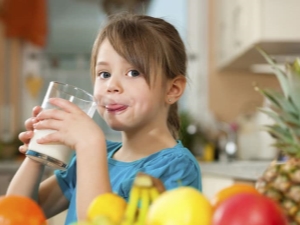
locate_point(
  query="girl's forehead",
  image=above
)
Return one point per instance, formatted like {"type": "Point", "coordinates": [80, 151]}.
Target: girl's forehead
{"type": "Point", "coordinates": [106, 53]}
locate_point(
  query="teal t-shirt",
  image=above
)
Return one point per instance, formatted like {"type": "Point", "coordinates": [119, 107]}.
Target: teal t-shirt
{"type": "Point", "coordinates": [173, 166]}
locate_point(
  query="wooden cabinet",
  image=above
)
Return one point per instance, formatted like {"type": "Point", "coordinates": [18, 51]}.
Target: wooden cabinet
{"type": "Point", "coordinates": [242, 24]}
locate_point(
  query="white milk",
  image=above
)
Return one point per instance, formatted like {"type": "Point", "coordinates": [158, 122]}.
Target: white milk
{"type": "Point", "coordinates": [57, 151]}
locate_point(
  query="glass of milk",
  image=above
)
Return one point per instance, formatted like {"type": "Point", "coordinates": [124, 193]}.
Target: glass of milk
{"type": "Point", "coordinates": [57, 155]}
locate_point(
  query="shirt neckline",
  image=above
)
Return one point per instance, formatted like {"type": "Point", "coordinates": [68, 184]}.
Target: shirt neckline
{"type": "Point", "coordinates": [114, 161]}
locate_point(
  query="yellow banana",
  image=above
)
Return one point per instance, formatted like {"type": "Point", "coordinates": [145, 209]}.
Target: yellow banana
{"type": "Point", "coordinates": [142, 194]}
{"type": "Point", "coordinates": [145, 201]}
{"type": "Point", "coordinates": [132, 206]}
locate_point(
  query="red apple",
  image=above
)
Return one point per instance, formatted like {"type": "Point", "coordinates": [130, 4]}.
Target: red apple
{"type": "Point", "coordinates": [249, 209]}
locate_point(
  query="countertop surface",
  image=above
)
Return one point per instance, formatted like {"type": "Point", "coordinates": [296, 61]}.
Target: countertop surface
{"type": "Point", "coordinates": [243, 170]}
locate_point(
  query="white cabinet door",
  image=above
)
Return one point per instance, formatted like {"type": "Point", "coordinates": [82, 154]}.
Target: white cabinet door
{"type": "Point", "coordinates": [212, 184]}
{"type": "Point", "coordinates": [243, 24]}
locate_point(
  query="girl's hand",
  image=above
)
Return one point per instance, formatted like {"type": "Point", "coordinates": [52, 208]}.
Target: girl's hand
{"type": "Point", "coordinates": [28, 134]}
{"type": "Point", "coordinates": [74, 127]}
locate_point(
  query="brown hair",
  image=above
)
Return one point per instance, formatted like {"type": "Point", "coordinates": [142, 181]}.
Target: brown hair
{"type": "Point", "coordinates": [152, 45]}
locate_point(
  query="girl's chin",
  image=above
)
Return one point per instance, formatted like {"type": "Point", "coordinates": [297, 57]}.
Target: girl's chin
{"type": "Point", "coordinates": [116, 127]}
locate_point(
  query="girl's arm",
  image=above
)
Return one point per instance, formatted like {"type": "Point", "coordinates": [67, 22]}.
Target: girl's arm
{"type": "Point", "coordinates": [92, 175]}
{"type": "Point", "coordinates": [77, 130]}
{"type": "Point", "coordinates": [27, 182]}
{"type": "Point", "coordinates": [27, 179]}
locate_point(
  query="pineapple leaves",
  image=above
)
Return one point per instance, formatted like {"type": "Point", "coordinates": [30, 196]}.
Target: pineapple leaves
{"type": "Point", "coordinates": [280, 102]}
{"type": "Point", "coordinates": [278, 132]}
{"type": "Point", "coordinates": [285, 108]}
{"type": "Point", "coordinates": [274, 116]}
{"type": "Point", "coordinates": [282, 120]}
{"type": "Point", "coordinates": [278, 72]}
{"type": "Point", "coordinates": [294, 85]}
{"type": "Point", "coordinates": [284, 135]}
{"type": "Point", "coordinates": [289, 149]}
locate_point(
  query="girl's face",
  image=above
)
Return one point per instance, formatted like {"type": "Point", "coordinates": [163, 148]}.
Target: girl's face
{"type": "Point", "coordinates": [125, 100]}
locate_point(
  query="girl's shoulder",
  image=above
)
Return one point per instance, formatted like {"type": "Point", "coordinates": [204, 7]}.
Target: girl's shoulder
{"type": "Point", "coordinates": [177, 154]}
{"type": "Point", "coordinates": [112, 146]}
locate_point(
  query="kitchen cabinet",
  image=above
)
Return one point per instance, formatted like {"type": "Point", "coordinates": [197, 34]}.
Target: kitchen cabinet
{"type": "Point", "coordinates": [242, 24]}
{"type": "Point", "coordinates": [212, 184]}
{"type": "Point", "coordinates": [219, 175]}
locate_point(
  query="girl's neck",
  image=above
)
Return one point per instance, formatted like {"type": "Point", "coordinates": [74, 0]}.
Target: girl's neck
{"type": "Point", "coordinates": [137, 145]}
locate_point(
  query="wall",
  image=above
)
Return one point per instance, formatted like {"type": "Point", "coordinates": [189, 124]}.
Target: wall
{"type": "Point", "coordinates": [231, 93]}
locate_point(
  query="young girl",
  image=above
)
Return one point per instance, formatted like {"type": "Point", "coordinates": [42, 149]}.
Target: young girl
{"type": "Point", "coordinates": [138, 66]}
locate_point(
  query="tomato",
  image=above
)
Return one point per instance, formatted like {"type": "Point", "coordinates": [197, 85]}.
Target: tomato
{"type": "Point", "coordinates": [232, 190]}
{"type": "Point", "coordinates": [19, 210]}
{"type": "Point", "coordinates": [249, 209]}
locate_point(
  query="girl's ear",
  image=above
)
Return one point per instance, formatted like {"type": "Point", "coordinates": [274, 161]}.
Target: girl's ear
{"type": "Point", "coordinates": [175, 89]}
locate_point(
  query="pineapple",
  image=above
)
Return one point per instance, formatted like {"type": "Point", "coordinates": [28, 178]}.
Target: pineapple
{"type": "Point", "coordinates": [281, 181]}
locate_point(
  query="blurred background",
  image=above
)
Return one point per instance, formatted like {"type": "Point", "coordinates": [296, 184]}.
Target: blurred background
{"type": "Point", "coordinates": [42, 41]}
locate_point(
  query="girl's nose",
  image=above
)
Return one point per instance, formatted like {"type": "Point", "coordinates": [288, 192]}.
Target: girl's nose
{"type": "Point", "coordinates": [114, 85]}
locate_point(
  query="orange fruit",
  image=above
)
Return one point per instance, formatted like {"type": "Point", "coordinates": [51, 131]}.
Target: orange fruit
{"type": "Point", "coordinates": [110, 205]}
{"type": "Point", "coordinates": [181, 206]}
{"type": "Point", "coordinates": [232, 190]}
{"type": "Point", "coordinates": [20, 210]}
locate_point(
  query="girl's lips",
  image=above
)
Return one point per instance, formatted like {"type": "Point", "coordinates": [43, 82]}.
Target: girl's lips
{"type": "Point", "coordinates": [115, 108]}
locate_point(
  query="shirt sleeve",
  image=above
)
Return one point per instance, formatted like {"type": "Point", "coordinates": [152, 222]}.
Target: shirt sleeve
{"type": "Point", "coordinates": [176, 170]}
{"type": "Point", "coordinates": [67, 179]}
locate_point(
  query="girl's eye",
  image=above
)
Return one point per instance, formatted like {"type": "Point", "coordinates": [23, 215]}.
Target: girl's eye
{"type": "Point", "coordinates": [104, 74]}
{"type": "Point", "coordinates": [133, 73]}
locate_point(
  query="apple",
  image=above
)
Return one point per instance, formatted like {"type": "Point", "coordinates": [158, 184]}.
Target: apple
{"type": "Point", "coordinates": [249, 209]}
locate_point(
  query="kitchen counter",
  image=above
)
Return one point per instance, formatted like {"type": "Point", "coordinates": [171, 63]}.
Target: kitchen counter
{"type": "Point", "coordinates": [245, 170]}
{"type": "Point", "coordinates": [238, 170]}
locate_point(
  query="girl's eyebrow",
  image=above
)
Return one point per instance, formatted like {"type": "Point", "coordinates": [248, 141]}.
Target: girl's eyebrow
{"type": "Point", "coordinates": [101, 63]}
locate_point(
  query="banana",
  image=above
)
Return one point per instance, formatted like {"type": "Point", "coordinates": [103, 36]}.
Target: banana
{"type": "Point", "coordinates": [143, 180]}
{"type": "Point", "coordinates": [145, 189]}
{"type": "Point", "coordinates": [132, 206]}
{"type": "Point", "coordinates": [145, 202]}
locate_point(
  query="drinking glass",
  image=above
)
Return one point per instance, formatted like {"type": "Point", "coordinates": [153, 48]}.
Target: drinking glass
{"type": "Point", "coordinates": [57, 155]}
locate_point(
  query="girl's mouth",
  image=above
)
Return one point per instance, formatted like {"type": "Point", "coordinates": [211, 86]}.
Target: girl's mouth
{"type": "Point", "coordinates": [115, 108]}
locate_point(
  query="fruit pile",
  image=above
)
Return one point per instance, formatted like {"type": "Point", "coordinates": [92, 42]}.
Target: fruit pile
{"type": "Point", "coordinates": [19, 210]}
{"type": "Point", "coordinates": [151, 204]}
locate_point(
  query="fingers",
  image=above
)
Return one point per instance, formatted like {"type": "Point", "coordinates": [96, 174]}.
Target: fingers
{"type": "Point", "coordinates": [64, 104]}
{"type": "Point", "coordinates": [23, 149]}
{"type": "Point", "coordinates": [52, 124]}
{"type": "Point", "coordinates": [50, 138]}
{"type": "Point", "coordinates": [29, 122]}
{"type": "Point", "coordinates": [26, 136]}
{"type": "Point", "coordinates": [36, 110]}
